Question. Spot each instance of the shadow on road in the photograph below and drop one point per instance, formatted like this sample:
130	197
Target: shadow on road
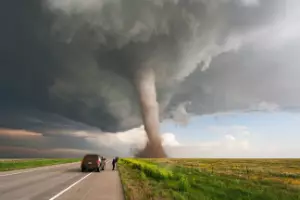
76	170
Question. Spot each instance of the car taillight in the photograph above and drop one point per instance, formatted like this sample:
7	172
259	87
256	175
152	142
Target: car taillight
98	162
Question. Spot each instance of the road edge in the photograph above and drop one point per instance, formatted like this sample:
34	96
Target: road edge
122	183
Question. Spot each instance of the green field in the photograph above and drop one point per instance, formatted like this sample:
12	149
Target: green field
7	165
211	179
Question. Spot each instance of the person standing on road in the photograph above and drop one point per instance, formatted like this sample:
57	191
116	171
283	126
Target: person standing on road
114	162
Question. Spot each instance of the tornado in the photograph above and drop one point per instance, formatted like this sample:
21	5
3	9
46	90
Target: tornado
145	85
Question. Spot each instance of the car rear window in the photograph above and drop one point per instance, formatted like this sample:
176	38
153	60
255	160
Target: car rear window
91	157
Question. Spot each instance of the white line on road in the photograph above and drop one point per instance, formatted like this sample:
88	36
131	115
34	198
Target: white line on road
35	169
1	175
63	191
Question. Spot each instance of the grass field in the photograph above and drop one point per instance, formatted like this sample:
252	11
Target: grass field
11	164
211	179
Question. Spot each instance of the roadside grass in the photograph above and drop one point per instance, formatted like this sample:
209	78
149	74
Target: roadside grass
166	179
135	184
145	182
9	165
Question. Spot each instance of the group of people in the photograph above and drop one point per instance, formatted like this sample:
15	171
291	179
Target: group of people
114	161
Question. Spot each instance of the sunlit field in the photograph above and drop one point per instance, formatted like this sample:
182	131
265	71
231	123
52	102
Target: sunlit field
14	164
219	179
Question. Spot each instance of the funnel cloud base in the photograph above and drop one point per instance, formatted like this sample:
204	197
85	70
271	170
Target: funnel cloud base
152	150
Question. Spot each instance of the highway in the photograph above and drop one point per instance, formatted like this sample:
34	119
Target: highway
61	182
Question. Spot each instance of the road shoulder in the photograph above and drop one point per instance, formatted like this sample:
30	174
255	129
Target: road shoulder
105	185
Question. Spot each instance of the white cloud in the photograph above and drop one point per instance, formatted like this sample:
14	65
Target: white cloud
218	148
137	136
134	136
230	137
233	141
124	141
169	139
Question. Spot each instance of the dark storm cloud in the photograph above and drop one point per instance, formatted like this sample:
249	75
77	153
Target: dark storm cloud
22	152
48	145
243	80
75	59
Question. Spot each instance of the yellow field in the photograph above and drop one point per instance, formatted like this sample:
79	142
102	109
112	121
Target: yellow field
285	171
218	179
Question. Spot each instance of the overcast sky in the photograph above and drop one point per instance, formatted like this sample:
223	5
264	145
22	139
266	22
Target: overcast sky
66	71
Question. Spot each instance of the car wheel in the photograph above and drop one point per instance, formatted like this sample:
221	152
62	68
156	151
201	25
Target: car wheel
82	169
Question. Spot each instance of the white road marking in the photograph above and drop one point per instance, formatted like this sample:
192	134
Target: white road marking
68	188
36	169
1	175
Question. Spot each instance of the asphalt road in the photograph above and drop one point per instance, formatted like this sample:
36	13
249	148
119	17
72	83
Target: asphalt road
61	182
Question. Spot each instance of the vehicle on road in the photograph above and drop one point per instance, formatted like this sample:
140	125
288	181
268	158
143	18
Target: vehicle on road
92	162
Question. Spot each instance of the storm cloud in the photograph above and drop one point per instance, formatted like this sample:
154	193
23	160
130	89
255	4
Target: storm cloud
76	60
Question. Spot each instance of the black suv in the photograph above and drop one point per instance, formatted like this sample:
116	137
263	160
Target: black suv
92	162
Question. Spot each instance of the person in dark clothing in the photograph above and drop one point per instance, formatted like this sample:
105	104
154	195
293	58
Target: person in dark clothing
114	162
